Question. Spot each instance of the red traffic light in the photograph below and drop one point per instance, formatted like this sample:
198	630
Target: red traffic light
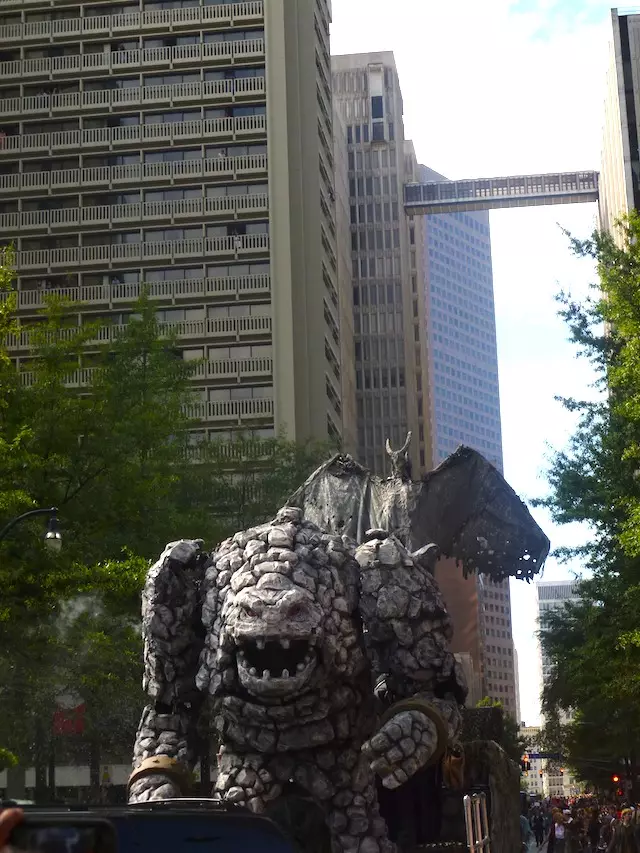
615	779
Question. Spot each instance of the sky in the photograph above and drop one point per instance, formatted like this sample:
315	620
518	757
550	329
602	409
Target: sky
509	87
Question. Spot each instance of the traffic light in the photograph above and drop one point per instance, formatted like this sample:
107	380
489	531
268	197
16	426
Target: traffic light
615	778
525	764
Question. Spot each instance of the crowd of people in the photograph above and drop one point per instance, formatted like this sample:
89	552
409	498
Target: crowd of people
586	827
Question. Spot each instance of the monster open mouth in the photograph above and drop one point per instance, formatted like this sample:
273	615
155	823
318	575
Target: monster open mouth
275	665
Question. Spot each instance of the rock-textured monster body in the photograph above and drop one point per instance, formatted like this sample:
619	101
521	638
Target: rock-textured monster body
293	626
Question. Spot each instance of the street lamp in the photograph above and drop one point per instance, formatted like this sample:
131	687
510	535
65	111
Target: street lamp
53	537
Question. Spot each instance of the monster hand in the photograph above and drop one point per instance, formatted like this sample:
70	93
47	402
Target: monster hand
407	742
155	786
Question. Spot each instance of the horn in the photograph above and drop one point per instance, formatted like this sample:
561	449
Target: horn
405	446
388	447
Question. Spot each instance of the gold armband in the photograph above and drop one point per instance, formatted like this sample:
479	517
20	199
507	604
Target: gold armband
429	711
163	765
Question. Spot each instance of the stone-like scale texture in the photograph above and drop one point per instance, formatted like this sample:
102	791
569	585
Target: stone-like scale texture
298	625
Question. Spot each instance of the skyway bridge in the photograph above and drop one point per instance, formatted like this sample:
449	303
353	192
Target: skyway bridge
495	193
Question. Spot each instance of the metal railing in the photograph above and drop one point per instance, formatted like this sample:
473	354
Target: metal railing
231	328
64	218
477	823
130	136
223	15
231	369
125	60
227	410
170	292
225	91
137	173
251	245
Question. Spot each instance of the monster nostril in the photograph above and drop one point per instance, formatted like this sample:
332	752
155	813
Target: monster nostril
295	610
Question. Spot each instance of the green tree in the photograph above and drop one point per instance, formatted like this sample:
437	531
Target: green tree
98	425
594	645
510	739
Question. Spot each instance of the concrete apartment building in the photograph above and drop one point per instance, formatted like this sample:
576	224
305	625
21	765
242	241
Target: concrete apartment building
185	145
388	301
465	409
620	162
552	595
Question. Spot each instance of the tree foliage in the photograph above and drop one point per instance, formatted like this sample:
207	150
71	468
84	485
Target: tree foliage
594	645
510	740
98	424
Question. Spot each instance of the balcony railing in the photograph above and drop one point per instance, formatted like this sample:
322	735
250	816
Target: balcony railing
180	56
223	91
65	218
225	168
232	370
229	328
131	136
164	20
169	292
252	245
230	410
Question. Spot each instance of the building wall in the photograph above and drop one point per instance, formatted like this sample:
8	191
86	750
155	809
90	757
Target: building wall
463	356
465	409
210	179
616	172
345	288
552	595
390	372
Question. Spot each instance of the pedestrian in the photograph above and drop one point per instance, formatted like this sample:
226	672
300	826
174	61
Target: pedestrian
525	832
593	831
557	834
625	834
537	822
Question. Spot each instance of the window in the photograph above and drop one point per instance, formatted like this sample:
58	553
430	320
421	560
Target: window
378	131
358	137
391	131
350	135
377	107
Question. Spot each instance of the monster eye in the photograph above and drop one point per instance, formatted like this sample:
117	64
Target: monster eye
246	609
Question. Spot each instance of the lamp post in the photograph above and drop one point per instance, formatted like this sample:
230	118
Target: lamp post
52	538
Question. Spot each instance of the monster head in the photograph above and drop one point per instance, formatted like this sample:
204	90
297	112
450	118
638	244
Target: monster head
280	613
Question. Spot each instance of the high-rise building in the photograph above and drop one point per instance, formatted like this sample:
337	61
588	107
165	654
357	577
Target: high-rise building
185	145
461	332
619	183
465	409
388	300
552	595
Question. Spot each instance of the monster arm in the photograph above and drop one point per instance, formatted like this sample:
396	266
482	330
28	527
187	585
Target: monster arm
165	747
408	633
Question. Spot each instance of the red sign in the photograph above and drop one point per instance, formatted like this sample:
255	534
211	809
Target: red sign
69	721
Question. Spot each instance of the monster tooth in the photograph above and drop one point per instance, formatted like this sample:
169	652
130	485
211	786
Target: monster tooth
253	671
300	667
285	673
266	674
284	642
260	643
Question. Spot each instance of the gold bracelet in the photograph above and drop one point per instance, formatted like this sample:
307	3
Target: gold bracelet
162	764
